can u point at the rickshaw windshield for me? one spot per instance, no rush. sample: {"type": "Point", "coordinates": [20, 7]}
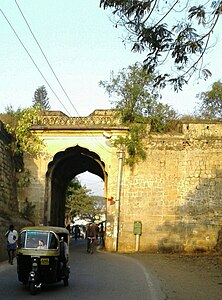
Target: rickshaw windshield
{"type": "Point", "coordinates": [36, 239]}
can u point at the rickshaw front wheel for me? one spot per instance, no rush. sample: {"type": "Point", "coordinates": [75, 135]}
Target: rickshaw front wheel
{"type": "Point", "coordinates": [66, 281]}
{"type": "Point", "coordinates": [33, 288]}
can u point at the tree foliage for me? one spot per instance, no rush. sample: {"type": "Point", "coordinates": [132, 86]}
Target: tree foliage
{"type": "Point", "coordinates": [210, 106]}
{"type": "Point", "coordinates": [133, 144]}
{"type": "Point", "coordinates": [80, 203]}
{"type": "Point", "coordinates": [174, 33]}
{"type": "Point", "coordinates": [163, 117]}
{"type": "Point", "coordinates": [18, 124]}
{"type": "Point", "coordinates": [41, 98]}
{"type": "Point", "coordinates": [133, 89]}
{"type": "Point", "coordinates": [138, 106]}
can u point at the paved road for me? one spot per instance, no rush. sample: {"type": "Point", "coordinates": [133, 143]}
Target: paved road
{"type": "Point", "coordinates": [93, 277]}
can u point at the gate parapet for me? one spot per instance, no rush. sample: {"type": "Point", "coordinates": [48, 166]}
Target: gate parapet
{"type": "Point", "coordinates": [98, 117]}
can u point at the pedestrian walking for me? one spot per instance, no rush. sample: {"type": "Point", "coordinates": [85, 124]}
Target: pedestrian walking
{"type": "Point", "coordinates": [101, 236]}
{"type": "Point", "coordinates": [76, 232]}
{"type": "Point", "coordinates": [12, 237]}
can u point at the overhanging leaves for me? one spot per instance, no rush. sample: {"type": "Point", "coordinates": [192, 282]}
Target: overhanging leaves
{"type": "Point", "coordinates": [175, 34]}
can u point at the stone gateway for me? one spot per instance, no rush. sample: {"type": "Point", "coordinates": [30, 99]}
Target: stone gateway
{"type": "Point", "coordinates": [176, 193]}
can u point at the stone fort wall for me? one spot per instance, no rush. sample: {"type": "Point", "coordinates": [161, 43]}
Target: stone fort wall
{"type": "Point", "coordinates": [7, 175]}
{"type": "Point", "coordinates": [176, 193]}
{"type": "Point", "coordinates": [8, 200]}
{"type": "Point", "coordinates": [8, 192]}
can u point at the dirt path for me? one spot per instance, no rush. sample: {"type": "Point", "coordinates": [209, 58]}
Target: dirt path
{"type": "Point", "coordinates": [186, 277]}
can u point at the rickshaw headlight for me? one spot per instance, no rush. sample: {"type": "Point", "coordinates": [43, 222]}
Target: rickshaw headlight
{"type": "Point", "coordinates": [34, 266]}
{"type": "Point", "coordinates": [32, 274]}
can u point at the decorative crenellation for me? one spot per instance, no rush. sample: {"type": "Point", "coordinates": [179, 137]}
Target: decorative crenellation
{"type": "Point", "coordinates": [103, 117]}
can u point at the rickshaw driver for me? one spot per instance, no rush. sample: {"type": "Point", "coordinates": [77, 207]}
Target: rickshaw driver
{"type": "Point", "coordinates": [64, 255]}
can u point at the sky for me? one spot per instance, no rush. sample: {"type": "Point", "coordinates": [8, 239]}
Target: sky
{"type": "Point", "coordinates": [82, 47]}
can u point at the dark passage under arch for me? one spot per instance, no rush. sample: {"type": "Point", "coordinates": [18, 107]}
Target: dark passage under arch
{"type": "Point", "coordinates": [63, 168]}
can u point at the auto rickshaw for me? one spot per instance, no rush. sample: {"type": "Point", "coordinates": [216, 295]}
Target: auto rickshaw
{"type": "Point", "coordinates": [42, 256]}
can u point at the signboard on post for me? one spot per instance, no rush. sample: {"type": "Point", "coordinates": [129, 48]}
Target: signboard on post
{"type": "Point", "coordinates": [137, 228]}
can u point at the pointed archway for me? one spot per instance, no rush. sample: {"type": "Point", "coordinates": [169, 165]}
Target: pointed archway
{"type": "Point", "coordinates": [64, 167]}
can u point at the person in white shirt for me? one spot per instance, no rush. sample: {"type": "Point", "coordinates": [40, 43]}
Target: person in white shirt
{"type": "Point", "coordinates": [12, 237]}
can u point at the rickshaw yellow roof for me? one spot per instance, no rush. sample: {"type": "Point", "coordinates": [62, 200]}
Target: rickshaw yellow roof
{"type": "Point", "coordinates": [47, 228]}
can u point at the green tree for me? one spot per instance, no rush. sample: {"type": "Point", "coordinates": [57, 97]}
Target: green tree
{"type": "Point", "coordinates": [174, 33]}
{"type": "Point", "coordinates": [133, 89]}
{"type": "Point", "coordinates": [80, 203]}
{"type": "Point", "coordinates": [210, 106]}
{"type": "Point", "coordinates": [163, 117]}
{"type": "Point", "coordinates": [41, 98]}
{"type": "Point", "coordinates": [18, 124]}
{"type": "Point", "coordinates": [138, 106]}
{"type": "Point", "coordinates": [133, 144]}
{"type": "Point", "coordinates": [98, 208]}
